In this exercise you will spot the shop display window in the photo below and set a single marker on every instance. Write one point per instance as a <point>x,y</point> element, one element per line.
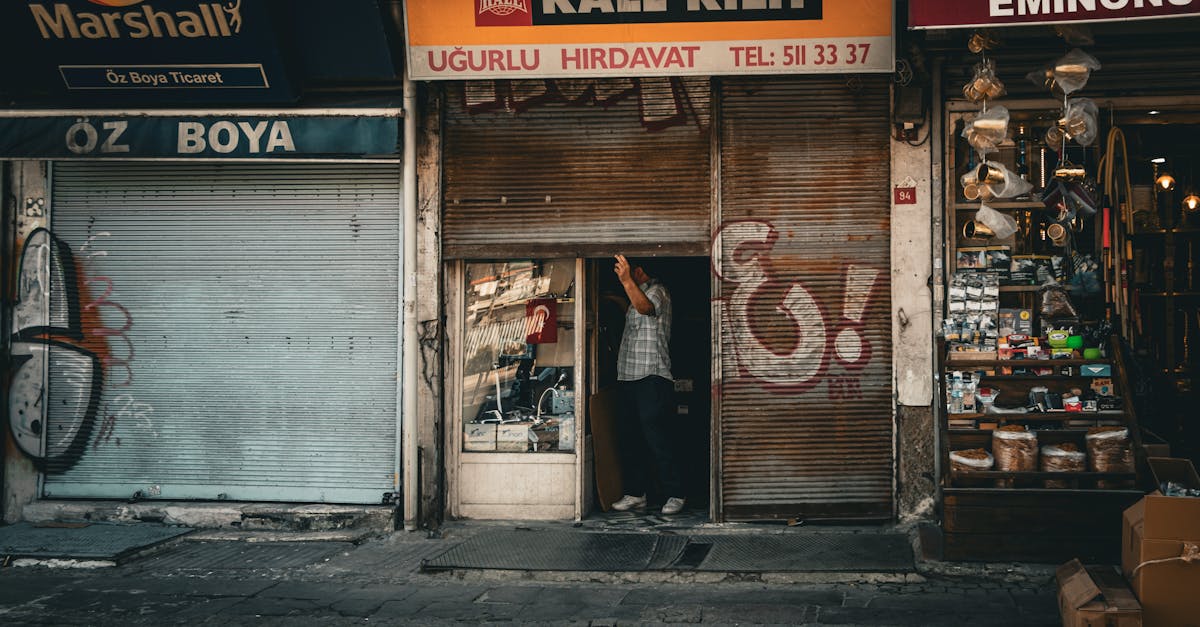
<point>519,359</point>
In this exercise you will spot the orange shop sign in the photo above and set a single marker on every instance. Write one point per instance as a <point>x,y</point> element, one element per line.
<point>490,39</point>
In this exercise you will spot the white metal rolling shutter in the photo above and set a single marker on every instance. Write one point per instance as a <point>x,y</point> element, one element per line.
<point>246,321</point>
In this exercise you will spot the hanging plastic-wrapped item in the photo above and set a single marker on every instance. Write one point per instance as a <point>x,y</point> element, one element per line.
<point>1078,123</point>
<point>1003,225</point>
<point>1067,75</point>
<point>1042,77</point>
<point>984,84</point>
<point>972,188</point>
<point>982,40</point>
<point>1072,71</point>
<point>987,130</point>
<point>1002,182</point>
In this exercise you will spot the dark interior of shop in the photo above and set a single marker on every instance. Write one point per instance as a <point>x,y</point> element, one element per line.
<point>1141,91</point>
<point>1165,316</point>
<point>688,279</point>
<point>1161,311</point>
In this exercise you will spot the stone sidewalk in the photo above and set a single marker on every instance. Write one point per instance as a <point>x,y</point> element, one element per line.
<point>379,581</point>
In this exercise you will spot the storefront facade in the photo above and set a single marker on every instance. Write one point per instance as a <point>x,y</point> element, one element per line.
<point>176,319</point>
<point>762,197</point>
<point>1117,246</point>
<point>206,298</point>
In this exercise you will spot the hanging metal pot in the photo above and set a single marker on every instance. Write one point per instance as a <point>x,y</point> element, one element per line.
<point>1070,172</point>
<point>1057,234</point>
<point>990,174</point>
<point>974,229</point>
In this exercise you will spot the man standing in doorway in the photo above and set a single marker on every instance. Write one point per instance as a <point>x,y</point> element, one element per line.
<point>647,390</point>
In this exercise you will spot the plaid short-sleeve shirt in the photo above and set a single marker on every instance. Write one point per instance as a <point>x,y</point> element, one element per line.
<point>646,343</point>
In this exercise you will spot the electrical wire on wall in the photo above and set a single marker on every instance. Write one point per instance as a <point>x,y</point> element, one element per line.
<point>903,77</point>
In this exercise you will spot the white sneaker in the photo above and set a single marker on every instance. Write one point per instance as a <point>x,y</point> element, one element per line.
<point>673,506</point>
<point>628,502</point>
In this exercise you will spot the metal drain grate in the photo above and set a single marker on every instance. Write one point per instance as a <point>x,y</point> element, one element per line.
<point>815,552</point>
<point>521,549</point>
<point>551,550</point>
<point>98,541</point>
<point>235,555</point>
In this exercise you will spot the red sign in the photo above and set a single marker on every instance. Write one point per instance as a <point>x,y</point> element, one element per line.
<point>966,13</point>
<point>905,196</point>
<point>503,13</point>
<point>541,321</point>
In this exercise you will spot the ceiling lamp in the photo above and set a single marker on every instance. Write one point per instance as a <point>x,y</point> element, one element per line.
<point>1165,182</point>
<point>1191,202</point>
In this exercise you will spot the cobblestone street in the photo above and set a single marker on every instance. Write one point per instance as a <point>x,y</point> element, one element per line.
<point>379,582</point>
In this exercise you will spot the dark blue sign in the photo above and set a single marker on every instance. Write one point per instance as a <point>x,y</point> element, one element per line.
<point>198,137</point>
<point>159,77</point>
<point>157,51</point>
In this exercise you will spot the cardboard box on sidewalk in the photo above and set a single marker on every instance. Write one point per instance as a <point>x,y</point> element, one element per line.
<point>1157,534</point>
<point>1095,596</point>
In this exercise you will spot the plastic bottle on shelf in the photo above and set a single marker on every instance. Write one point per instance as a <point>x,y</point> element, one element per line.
<point>956,394</point>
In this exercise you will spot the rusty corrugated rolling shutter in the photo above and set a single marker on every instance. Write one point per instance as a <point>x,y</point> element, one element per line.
<point>806,392</point>
<point>624,170</point>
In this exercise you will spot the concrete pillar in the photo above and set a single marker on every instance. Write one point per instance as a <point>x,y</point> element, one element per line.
<point>912,323</point>
<point>30,183</point>
<point>429,304</point>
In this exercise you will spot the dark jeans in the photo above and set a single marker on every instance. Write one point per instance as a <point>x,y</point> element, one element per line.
<point>647,442</point>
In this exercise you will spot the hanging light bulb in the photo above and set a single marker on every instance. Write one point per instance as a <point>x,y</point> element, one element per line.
<point>1165,182</point>
<point>1191,202</point>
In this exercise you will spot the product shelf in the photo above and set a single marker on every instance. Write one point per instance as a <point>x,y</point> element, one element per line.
<point>1040,475</point>
<point>1004,204</point>
<point>1057,416</point>
<point>952,363</point>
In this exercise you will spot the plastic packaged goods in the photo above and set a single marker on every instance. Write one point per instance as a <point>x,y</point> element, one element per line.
<point>1000,181</point>
<point>1079,123</point>
<point>971,460</point>
<point>1109,450</point>
<point>984,84</point>
<point>1068,74</point>
<point>986,131</point>
<point>1001,224</point>
<point>1065,457</point>
<point>1015,449</point>
<point>1072,70</point>
<point>1056,302</point>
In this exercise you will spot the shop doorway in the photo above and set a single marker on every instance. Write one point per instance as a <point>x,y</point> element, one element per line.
<point>689,280</point>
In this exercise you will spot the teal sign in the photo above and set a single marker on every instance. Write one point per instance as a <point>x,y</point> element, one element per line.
<point>198,137</point>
